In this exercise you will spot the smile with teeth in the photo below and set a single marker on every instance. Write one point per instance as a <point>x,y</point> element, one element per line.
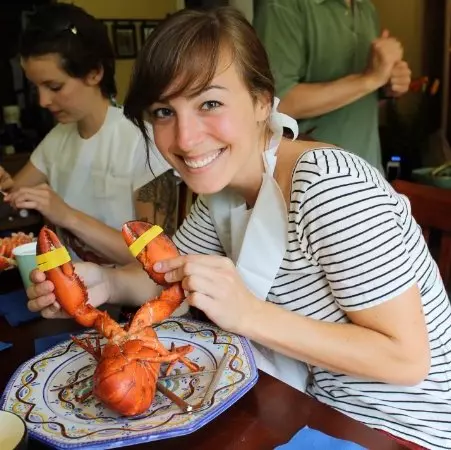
<point>198,163</point>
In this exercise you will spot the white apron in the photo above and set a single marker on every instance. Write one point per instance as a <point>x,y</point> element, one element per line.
<point>256,241</point>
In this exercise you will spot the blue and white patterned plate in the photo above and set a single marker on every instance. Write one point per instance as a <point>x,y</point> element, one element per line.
<point>55,417</point>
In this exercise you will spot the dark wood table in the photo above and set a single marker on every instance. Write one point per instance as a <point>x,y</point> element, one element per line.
<point>267,416</point>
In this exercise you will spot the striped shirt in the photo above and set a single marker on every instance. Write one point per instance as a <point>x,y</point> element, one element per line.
<point>353,244</point>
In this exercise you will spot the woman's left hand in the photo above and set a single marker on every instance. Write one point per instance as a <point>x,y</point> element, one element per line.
<point>43,199</point>
<point>215,287</point>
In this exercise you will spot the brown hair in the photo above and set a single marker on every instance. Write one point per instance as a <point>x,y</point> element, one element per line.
<point>183,52</point>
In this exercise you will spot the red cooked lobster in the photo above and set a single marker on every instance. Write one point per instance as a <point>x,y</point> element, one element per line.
<point>128,366</point>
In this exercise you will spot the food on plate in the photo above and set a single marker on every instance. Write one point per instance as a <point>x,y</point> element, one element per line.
<point>128,366</point>
<point>8,244</point>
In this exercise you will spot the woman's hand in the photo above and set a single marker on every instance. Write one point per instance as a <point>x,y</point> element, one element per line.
<point>215,287</point>
<point>43,199</point>
<point>42,298</point>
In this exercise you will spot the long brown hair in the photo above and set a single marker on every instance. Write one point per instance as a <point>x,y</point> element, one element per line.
<point>182,54</point>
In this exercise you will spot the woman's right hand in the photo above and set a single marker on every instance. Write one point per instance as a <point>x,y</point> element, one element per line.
<point>41,297</point>
<point>6,182</point>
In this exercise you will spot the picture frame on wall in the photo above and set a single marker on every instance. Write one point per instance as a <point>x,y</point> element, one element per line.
<point>125,40</point>
<point>147,27</point>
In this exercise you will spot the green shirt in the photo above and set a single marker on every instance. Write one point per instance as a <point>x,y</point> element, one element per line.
<point>311,41</point>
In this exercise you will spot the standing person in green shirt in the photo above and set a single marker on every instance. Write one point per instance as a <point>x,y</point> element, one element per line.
<point>330,61</point>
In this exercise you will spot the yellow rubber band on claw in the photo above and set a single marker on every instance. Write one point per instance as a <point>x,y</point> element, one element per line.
<point>52,259</point>
<point>138,246</point>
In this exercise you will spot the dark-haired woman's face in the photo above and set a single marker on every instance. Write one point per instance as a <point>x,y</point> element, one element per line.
<point>212,139</point>
<point>66,97</point>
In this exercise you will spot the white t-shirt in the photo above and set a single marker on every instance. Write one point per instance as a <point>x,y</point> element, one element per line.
<point>99,175</point>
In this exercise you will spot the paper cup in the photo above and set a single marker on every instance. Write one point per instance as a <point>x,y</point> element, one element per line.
<point>13,432</point>
<point>25,256</point>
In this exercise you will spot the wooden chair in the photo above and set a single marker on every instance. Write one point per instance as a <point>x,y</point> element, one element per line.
<point>431,208</point>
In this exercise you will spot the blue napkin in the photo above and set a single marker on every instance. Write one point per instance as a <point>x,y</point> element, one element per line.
<point>4,345</point>
<point>316,440</point>
<point>44,343</point>
<point>13,306</point>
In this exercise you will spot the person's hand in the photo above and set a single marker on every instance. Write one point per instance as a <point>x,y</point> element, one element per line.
<point>214,286</point>
<point>43,199</point>
<point>400,79</point>
<point>385,53</point>
<point>41,297</point>
<point>6,182</point>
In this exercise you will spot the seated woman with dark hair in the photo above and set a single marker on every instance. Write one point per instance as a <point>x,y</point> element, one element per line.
<point>86,174</point>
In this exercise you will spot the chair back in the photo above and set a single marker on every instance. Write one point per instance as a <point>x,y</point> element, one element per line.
<point>431,208</point>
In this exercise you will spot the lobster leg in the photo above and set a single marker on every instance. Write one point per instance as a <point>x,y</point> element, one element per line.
<point>86,345</point>
<point>148,336</point>
<point>169,357</point>
<point>193,367</point>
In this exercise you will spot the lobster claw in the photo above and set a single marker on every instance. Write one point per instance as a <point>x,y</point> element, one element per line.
<point>148,244</point>
<point>70,292</point>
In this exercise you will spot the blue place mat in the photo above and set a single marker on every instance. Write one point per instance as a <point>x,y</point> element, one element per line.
<point>44,343</point>
<point>13,306</point>
<point>311,439</point>
<point>5,345</point>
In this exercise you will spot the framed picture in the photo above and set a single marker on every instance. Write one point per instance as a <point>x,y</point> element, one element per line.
<point>146,28</point>
<point>124,40</point>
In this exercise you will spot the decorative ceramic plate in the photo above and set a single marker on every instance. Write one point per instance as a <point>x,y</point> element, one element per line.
<point>53,415</point>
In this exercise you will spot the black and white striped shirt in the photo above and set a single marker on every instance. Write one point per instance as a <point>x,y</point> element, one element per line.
<point>353,244</point>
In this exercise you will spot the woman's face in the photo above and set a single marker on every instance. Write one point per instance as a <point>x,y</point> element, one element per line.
<point>66,97</point>
<point>212,139</point>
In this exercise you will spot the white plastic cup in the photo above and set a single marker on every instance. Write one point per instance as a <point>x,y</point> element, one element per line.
<point>25,256</point>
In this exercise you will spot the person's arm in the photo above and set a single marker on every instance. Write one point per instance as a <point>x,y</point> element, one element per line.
<point>386,343</point>
<point>130,285</point>
<point>104,240</point>
<point>35,172</point>
<point>28,176</point>
<point>280,25</point>
<point>306,100</point>
<point>347,227</point>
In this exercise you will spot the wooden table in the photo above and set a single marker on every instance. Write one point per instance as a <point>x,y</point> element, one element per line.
<point>267,416</point>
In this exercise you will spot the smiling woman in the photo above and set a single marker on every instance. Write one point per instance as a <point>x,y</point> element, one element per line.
<point>180,120</point>
<point>302,247</point>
